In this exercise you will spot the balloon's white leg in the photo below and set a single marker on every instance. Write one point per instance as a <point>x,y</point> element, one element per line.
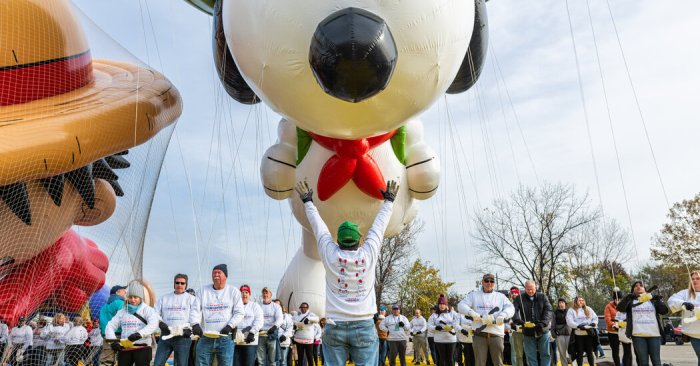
<point>305,279</point>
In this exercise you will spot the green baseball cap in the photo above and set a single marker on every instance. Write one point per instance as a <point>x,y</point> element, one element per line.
<point>348,234</point>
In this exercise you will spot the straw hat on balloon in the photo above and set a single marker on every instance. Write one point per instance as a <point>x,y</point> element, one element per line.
<point>60,109</point>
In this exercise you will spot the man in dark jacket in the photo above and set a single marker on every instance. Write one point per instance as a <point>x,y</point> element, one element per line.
<point>644,327</point>
<point>534,313</point>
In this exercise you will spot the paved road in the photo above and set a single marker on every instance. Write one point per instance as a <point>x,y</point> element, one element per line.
<point>670,353</point>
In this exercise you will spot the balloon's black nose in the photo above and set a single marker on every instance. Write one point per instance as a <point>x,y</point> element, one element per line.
<point>353,54</point>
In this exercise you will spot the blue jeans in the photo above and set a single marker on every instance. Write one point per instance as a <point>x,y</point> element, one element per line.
<point>358,338</point>
<point>267,350</point>
<point>532,345</point>
<point>695,342</point>
<point>383,351</point>
<point>646,347</point>
<point>245,355</point>
<point>207,348</point>
<point>284,351</point>
<point>179,345</point>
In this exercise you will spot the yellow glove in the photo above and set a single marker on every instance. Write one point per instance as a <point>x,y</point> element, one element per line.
<point>447,328</point>
<point>126,343</point>
<point>529,325</point>
<point>622,324</point>
<point>644,297</point>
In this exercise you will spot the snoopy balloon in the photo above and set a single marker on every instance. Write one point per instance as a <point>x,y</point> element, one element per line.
<point>349,78</point>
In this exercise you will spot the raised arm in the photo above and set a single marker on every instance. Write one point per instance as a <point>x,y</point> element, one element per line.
<point>321,232</point>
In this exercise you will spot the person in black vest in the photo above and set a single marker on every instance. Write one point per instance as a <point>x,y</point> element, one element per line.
<point>534,313</point>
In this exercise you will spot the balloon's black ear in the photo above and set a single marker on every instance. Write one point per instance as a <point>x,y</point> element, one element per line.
<point>474,59</point>
<point>226,67</point>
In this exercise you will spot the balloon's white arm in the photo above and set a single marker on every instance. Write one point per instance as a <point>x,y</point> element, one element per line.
<point>278,165</point>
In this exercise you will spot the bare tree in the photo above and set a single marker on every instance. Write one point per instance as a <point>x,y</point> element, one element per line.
<point>394,262</point>
<point>532,234</point>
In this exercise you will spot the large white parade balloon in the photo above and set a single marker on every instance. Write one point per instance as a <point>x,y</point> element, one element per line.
<point>349,78</point>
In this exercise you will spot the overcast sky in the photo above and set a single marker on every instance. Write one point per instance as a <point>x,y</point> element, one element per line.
<point>488,146</point>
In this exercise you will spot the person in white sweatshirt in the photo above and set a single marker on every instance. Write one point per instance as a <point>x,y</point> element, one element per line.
<point>268,337</point>
<point>488,309</point>
<point>304,334</point>
<point>4,336</point>
<point>222,309</point>
<point>445,325</point>
<point>249,329</point>
<point>138,320</point>
<point>689,302</point>
<point>582,319</point>
<point>96,342</point>
<point>465,338</point>
<point>21,338</point>
<point>177,312</point>
<point>285,333</point>
<point>350,277</point>
<point>419,328</point>
<point>396,325</point>
<point>75,339</point>
<point>53,336</point>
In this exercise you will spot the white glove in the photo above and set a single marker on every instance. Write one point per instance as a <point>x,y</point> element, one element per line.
<point>475,316</point>
<point>499,320</point>
<point>488,319</point>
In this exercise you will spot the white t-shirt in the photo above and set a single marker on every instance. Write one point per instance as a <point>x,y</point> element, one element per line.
<point>465,324</point>
<point>350,275</point>
<point>272,314</point>
<point>4,333</point>
<point>644,320</point>
<point>396,332</point>
<point>95,337</point>
<point>305,332</point>
<point>53,334</point>
<point>448,318</point>
<point>419,324</point>
<point>253,318</point>
<point>675,302</point>
<point>131,324</point>
<point>75,336</point>
<point>286,329</point>
<point>574,318</point>
<point>220,307</point>
<point>484,302</point>
<point>178,309</point>
<point>22,335</point>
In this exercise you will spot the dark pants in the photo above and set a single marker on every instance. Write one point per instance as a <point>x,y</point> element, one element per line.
<point>445,353</point>
<point>137,357</point>
<point>615,347</point>
<point>244,355</point>
<point>383,351</point>
<point>13,354</point>
<point>627,354</point>
<point>36,357</point>
<point>647,348</point>
<point>466,354</point>
<point>315,350</point>
<point>431,345</point>
<point>397,348</point>
<point>75,353</point>
<point>585,344</point>
<point>94,355</point>
<point>305,354</point>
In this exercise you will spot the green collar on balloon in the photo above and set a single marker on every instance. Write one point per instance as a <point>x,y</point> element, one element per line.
<point>398,144</point>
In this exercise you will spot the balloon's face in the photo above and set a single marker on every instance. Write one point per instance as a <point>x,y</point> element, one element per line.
<point>348,68</point>
<point>20,242</point>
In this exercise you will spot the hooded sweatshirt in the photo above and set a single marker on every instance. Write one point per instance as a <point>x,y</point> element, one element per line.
<point>109,309</point>
<point>443,319</point>
<point>482,303</point>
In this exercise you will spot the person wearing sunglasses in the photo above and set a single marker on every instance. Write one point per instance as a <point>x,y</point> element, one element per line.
<point>177,311</point>
<point>488,309</point>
